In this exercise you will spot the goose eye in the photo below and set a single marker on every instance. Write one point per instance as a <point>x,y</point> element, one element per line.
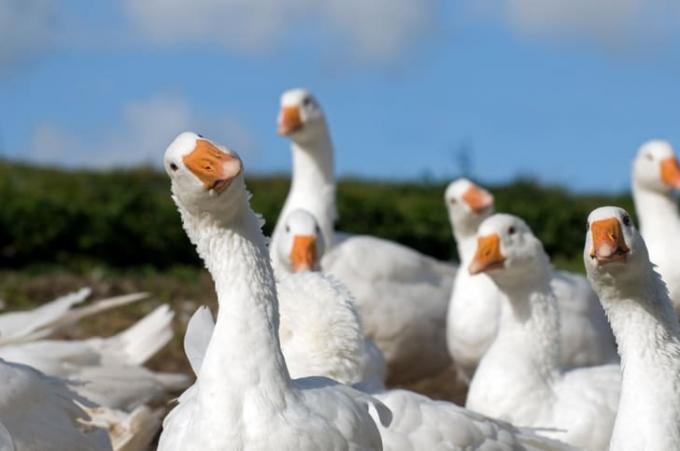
<point>453,201</point>
<point>307,101</point>
<point>287,229</point>
<point>649,156</point>
<point>626,221</point>
<point>511,230</point>
<point>173,166</point>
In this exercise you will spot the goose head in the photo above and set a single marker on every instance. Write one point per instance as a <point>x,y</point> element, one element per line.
<point>300,116</point>
<point>655,167</point>
<point>467,204</point>
<point>302,244</point>
<point>205,177</point>
<point>507,250</point>
<point>613,245</point>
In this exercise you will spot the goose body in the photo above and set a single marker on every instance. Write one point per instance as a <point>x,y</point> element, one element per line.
<point>104,374</point>
<point>647,331</point>
<point>108,370</point>
<point>655,174</point>
<point>243,397</point>
<point>520,378</point>
<point>39,412</point>
<point>401,294</point>
<point>420,423</point>
<point>475,306</point>
<point>315,310</point>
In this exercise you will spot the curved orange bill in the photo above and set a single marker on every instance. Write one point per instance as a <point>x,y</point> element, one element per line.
<point>608,242</point>
<point>478,199</point>
<point>488,255</point>
<point>303,254</point>
<point>289,120</point>
<point>670,172</point>
<point>215,168</point>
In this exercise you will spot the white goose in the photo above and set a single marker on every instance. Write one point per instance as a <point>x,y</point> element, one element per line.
<point>655,174</point>
<point>108,370</point>
<point>520,379</point>
<point>647,331</point>
<point>316,309</point>
<point>585,336</point>
<point>474,308</point>
<point>244,397</point>
<point>337,350</point>
<point>38,413</point>
<point>401,295</point>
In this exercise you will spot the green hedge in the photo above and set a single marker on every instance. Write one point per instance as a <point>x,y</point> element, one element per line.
<point>126,218</point>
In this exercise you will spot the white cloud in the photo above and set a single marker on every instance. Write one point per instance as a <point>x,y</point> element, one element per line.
<point>374,29</point>
<point>27,29</point>
<point>613,23</point>
<point>145,130</point>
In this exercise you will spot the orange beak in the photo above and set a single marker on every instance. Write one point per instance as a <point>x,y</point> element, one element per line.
<point>488,255</point>
<point>289,120</point>
<point>303,255</point>
<point>478,199</point>
<point>215,168</point>
<point>608,242</point>
<point>670,172</point>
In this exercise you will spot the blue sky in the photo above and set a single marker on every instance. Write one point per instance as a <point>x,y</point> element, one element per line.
<point>563,90</point>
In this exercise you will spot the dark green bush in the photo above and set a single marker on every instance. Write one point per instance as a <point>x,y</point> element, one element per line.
<point>125,218</point>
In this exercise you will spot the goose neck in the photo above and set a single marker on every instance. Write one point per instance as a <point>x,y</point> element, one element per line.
<point>243,364</point>
<point>657,211</point>
<point>642,318</point>
<point>313,182</point>
<point>530,322</point>
<point>313,160</point>
<point>648,338</point>
<point>466,241</point>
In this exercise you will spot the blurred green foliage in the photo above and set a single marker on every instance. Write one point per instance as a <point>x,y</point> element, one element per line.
<point>125,218</point>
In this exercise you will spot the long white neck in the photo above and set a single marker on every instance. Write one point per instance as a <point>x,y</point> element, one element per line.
<point>530,321</point>
<point>243,366</point>
<point>641,316</point>
<point>657,213</point>
<point>524,355</point>
<point>465,234</point>
<point>528,332</point>
<point>648,337</point>
<point>313,159</point>
<point>313,175</point>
